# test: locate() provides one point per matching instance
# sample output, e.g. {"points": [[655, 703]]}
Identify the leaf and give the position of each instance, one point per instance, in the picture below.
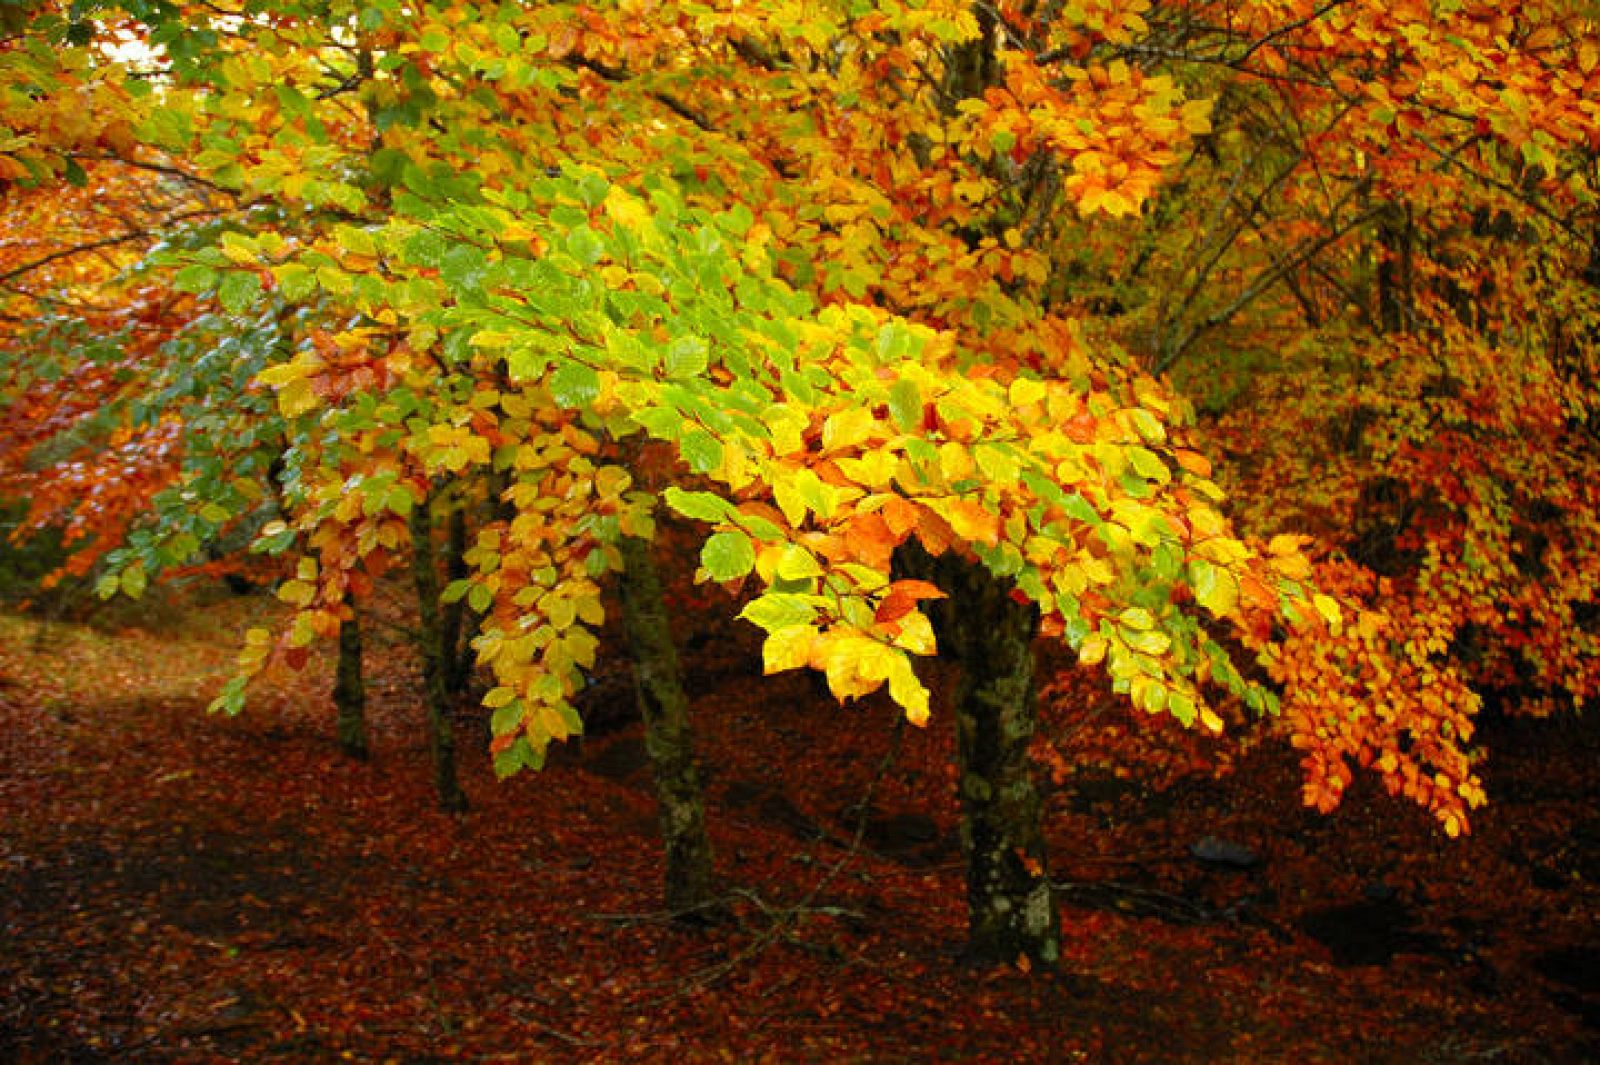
{"points": [[728, 555], [574, 385], [237, 291], [787, 648], [196, 277], [798, 564], [686, 357], [777, 610], [1328, 608], [702, 451], [907, 690], [1137, 618], [901, 598], [1025, 391], [905, 404], [134, 582], [1148, 465], [701, 506], [1214, 588]]}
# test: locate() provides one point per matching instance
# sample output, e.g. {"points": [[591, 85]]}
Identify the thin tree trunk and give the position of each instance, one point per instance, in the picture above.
{"points": [[690, 882], [349, 693], [455, 615], [430, 638], [1394, 276]]}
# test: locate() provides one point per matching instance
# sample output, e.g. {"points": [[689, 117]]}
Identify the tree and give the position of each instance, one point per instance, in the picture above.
{"points": [[864, 272]]}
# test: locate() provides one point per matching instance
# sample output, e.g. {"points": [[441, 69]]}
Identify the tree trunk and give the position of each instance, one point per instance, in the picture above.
{"points": [[349, 693], [1011, 910], [1394, 277], [690, 881], [430, 638], [456, 623]]}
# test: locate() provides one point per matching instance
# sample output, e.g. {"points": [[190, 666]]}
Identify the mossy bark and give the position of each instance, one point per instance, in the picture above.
{"points": [[430, 641], [690, 880], [349, 691], [1011, 909]]}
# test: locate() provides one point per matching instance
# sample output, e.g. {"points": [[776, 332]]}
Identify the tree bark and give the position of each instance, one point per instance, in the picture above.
{"points": [[349, 693], [430, 639], [1011, 909], [690, 881], [456, 617]]}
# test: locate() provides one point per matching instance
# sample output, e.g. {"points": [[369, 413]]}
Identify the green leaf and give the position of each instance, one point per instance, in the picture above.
{"points": [[701, 450], [574, 385], [779, 610], [507, 718], [1181, 706], [480, 598], [1148, 465], [797, 563], [237, 291], [295, 282], [727, 556], [134, 582], [425, 249], [585, 245], [701, 506], [687, 356], [1078, 507], [905, 404], [196, 277]]}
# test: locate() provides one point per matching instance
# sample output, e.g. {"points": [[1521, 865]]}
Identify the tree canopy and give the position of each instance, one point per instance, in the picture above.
{"points": [[1252, 344]]}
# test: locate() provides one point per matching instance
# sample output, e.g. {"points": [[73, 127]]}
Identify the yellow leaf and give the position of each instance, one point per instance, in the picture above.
{"points": [[787, 648], [296, 398], [788, 428], [856, 665], [625, 210], [590, 609], [1025, 390], [1287, 543], [916, 634], [1328, 608], [955, 462], [847, 428], [874, 469], [1093, 649], [297, 593], [786, 493], [906, 690]]}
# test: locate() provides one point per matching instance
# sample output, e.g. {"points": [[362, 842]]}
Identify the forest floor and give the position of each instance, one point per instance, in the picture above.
{"points": [[183, 887]]}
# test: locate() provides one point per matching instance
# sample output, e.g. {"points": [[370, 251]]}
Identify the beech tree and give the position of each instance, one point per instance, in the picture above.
{"points": [[880, 278]]}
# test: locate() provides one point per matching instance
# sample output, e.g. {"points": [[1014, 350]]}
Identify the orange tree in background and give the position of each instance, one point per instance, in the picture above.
{"points": [[863, 269], [1379, 274]]}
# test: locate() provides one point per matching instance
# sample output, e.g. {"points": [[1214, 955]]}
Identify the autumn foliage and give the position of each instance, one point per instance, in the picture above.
{"points": [[1253, 344]]}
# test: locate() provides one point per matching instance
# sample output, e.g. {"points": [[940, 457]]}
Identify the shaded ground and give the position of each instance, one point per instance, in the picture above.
{"points": [[175, 887]]}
